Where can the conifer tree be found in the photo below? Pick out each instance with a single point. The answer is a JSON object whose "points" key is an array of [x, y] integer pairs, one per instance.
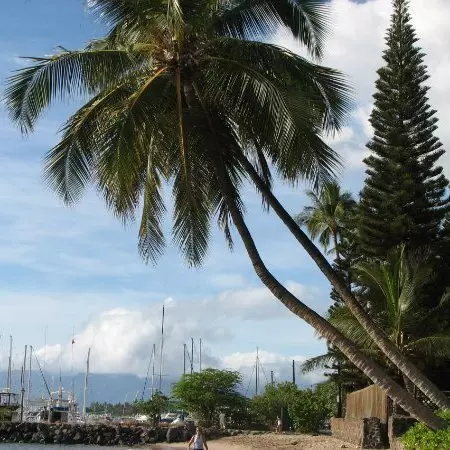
{"points": [[403, 200]]}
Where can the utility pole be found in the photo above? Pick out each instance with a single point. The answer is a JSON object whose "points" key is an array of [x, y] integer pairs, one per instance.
{"points": [[184, 359], [293, 372], [22, 384], [271, 377]]}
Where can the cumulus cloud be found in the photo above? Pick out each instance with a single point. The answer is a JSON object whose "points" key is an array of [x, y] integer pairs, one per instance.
{"points": [[122, 338]]}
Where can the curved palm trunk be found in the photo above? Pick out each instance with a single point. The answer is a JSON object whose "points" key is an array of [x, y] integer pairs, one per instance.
{"points": [[325, 329], [383, 342]]}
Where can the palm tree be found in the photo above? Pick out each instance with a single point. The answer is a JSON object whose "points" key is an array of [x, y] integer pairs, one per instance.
{"points": [[377, 334], [392, 291], [327, 216], [182, 91]]}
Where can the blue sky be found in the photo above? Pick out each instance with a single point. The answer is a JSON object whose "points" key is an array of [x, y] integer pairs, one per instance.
{"points": [[78, 268]]}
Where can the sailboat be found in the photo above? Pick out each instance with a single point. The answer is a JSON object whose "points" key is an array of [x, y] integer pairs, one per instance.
{"points": [[9, 401]]}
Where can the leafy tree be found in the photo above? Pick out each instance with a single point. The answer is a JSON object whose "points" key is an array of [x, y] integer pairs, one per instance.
{"points": [[208, 392], [184, 92], [314, 407], [153, 407], [269, 405], [308, 409], [404, 198]]}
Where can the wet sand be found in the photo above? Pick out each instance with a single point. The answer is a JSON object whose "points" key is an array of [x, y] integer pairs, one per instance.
{"points": [[269, 442]]}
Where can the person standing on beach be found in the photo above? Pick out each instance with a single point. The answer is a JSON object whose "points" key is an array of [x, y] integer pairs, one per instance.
{"points": [[279, 425], [198, 440]]}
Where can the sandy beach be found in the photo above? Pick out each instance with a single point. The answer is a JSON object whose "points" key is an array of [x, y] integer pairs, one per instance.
{"points": [[270, 441]]}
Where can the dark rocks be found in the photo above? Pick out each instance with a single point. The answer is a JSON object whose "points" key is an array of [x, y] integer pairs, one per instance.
{"points": [[102, 435]]}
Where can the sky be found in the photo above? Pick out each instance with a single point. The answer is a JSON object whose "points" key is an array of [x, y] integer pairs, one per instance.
{"points": [[76, 271]]}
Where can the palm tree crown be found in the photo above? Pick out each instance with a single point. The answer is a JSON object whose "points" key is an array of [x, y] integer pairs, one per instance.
{"points": [[328, 215], [180, 89], [391, 293]]}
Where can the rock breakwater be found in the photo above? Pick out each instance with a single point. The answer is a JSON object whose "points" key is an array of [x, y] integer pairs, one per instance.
{"points": [[102, 435]]}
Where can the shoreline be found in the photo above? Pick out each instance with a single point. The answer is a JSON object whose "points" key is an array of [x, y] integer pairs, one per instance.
{"points": [[268, 441]]}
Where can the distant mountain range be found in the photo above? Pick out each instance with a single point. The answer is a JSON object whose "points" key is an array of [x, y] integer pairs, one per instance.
{"points": [[110, 388]]}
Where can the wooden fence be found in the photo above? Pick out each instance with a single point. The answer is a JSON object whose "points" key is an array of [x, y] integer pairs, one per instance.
{"points": [[368, 402]]}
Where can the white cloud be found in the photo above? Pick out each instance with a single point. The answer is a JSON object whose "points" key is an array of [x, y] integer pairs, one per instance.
{"points": [[122, 338], [343, 136]]}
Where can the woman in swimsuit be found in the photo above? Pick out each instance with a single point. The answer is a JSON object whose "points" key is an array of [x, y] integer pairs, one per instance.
{"points": [[198, 440]]}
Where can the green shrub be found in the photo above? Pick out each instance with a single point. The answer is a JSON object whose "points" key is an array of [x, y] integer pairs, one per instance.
{"points": [[420, 437]]}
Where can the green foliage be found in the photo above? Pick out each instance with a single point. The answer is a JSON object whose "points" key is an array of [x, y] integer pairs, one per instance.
{"points": [[153, 407], [313, 407], [404, 199], [178, 94], [331, 218], [420, 437], [266, 407], [206, 393], [113, 409], [326, 218], [308, 409], [391, 289]]}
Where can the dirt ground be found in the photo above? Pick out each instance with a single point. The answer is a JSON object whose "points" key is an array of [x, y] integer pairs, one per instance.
{"points": [[270, 442]]}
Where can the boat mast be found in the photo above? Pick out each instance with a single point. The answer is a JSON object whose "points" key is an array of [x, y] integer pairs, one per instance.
{"points": [[22, 383], [200, 356], [86, 383], [192, 355], [146, 376], [8, 380], [29, 377], [257, 371], [161, 351], [153, 368]]}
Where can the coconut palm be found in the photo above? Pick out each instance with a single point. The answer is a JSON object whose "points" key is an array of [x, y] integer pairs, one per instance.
{"points": [[182, 92], [328, 214], [391, 292]]}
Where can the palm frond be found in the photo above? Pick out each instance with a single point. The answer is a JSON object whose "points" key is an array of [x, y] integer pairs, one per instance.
{"points": [[151, 236], [306, 19], [435, 347], [346, 322], [115, 11], [324, 91], [175, 18], [70, 73], [69, 165], [124, 143], [316, 363], [192, 208]]}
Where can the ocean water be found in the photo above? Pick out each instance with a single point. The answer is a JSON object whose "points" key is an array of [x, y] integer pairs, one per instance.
{"points": [[66, 447], [71, 447]]}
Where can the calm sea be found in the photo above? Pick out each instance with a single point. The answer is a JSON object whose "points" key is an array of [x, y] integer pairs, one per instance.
{"points": [[69, 447]]}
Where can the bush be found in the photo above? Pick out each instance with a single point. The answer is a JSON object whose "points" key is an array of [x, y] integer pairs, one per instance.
{"points": [[420, 437], [307, 410], [313, 408]]}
